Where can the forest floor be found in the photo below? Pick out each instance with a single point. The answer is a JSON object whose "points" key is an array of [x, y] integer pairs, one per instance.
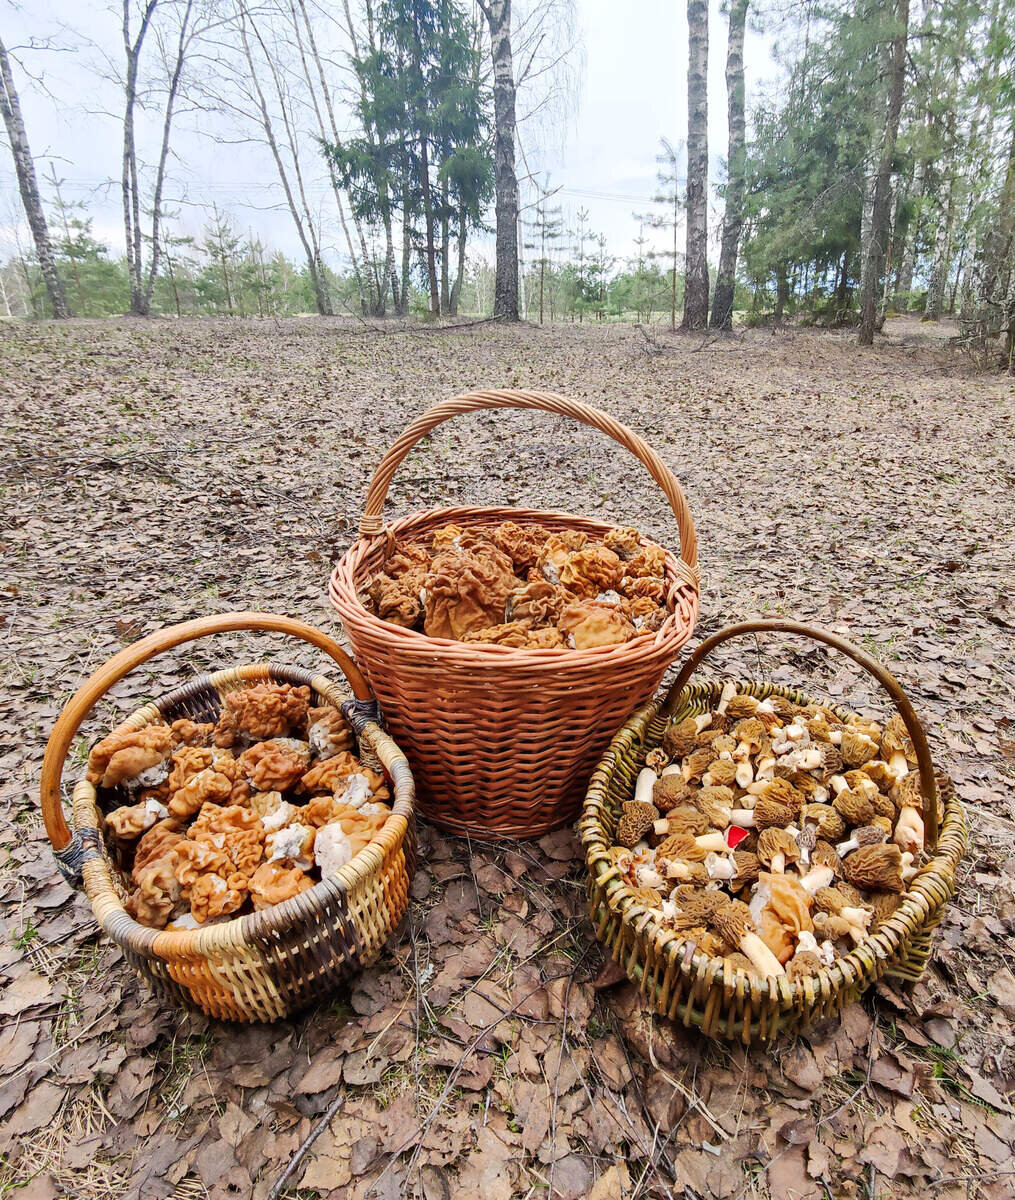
{"points": [[157, 471]]}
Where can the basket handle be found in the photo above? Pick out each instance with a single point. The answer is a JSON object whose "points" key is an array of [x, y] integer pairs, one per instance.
{"points": [[110, 673], [372, 524], [928, 784]]}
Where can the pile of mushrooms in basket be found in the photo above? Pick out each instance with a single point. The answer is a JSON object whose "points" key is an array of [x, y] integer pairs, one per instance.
{"points": [[773, 833]]}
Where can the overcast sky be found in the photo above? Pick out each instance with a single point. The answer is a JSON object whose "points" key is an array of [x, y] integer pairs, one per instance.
{"points": [[633, 92]]}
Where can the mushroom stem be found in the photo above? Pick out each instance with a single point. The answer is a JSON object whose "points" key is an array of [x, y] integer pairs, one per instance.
{"points": [[643, 788], [778, 864], [898, 765], [711, 841], [909, 832], [817, 877], [761, 957], [672, 769], [743, 818], [702, 722]]}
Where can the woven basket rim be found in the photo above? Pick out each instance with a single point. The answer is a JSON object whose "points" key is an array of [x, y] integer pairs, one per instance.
{"points": [[344, 591], [847, 970], [187, 943]]}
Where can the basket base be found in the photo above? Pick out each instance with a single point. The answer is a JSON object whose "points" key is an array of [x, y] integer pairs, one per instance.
{"points": [[482, 829]]}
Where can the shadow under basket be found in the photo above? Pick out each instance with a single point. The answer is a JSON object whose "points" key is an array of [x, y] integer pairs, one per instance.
{"points": [[268, 964], [683, 983], [503, 740]]}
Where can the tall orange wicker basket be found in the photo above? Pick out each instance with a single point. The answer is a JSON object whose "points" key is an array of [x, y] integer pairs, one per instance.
{"points": [[502, 740]]}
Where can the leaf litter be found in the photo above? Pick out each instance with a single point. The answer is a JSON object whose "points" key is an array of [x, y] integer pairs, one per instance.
{"points": [[158, 471]]}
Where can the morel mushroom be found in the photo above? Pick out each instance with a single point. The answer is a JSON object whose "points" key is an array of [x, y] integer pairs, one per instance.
{"points": [[696, 764], [857, 748], [866, 835], [855, 808], [733, 922], [681, 820], [678, 740], [828, 820], [909, 831], [878, 867], [670, 790], [831, 901], [776, 848], [635, 823], [741, 706]]}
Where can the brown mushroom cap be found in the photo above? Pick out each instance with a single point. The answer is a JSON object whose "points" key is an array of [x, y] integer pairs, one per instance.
{"points": [[708, 736], [852, 896], [646, 896], [657, 759], [696, 909], [883, 905], [895, 739], [829, 822], [773, 841], [825, 854], [740, 706], [670, 791], [722, 772], [805, 784], [751, 731], [877, 770], [725, 743], [830, 900], [783, 708], [696, 763], [739, 962], [678, 740], [907, 794], [770, 813], [748, 868], [884, 823], [686, 819], [856, 747], [854, 807], [803, 964], [634, 825], [715, 803], [732, 920], [819, 728], [831, 761], [682, 847], [783, 792], [877, 867]]}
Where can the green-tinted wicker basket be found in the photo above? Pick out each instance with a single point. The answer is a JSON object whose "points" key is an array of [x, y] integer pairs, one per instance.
{"points": [[677, 979]]}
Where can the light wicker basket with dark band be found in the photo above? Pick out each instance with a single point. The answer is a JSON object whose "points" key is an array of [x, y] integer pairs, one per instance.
{"points": [[502, 740], [266, 964], [684, 984]]}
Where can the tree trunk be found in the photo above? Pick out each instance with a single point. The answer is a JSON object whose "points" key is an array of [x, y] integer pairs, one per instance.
{"points": [[696, 251], [942, 248], [733, 219], [403, 299], [781, 293], [908, 263], [881, 209], [505, 296], [28, 185], [456, 287], [428, 221]]}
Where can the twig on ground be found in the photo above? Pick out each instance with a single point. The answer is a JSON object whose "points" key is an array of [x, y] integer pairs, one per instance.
{"points": [[304, 1147]]}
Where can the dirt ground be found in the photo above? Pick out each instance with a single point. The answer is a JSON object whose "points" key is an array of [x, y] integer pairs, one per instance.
{"points": [[157, 471]]}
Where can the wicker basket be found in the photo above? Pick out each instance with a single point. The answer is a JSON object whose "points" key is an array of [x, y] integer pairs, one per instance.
{"points": [[502, 741], [270, 963], [684, 984]]}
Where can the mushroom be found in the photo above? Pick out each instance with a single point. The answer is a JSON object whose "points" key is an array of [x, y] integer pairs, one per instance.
{"points": [[879, 771], [715, 803], [739, 706], [678, 740], [897, 747], [733, 922], [697, 763], [883, 906], [857, 747], [744, 774], [748, 868], [909, 867], [670, 790], [776, 848], [825, 854], [879, 867], [722, 772], [729, 690], [854, 807], [827, 819], [806, 840], [771, 814], [648, 897], [831, 901], [636, 820], [751, 733], [865, 835], [681, 820], [803, 964], [657, 759]]}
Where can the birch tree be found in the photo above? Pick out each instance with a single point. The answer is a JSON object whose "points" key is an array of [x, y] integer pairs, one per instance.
{"points": [[733, 218], [505, 295], [28, 185], [696, 248]]}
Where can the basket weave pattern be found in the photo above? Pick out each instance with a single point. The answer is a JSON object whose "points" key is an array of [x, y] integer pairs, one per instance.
{"points": [[680, 982], [502, 740], [267, 964]]}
